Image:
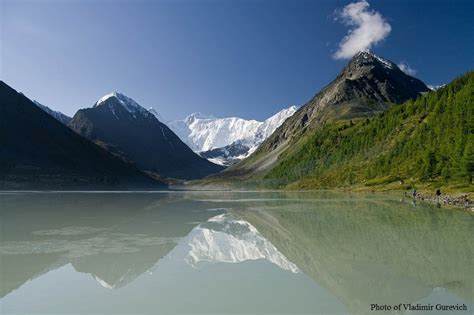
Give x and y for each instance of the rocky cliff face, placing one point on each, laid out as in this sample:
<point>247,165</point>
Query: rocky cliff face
<point>366,86</point>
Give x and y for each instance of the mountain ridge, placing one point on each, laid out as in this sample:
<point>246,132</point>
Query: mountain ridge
<point>367,85</point>
<point>128,130</point>
<point>38,152</point>
<point>216,138</point>
<point>427,142</point>
<point>56,114</point>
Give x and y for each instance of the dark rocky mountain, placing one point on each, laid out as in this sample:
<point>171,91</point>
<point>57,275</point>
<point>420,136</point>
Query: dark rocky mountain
<point>366,86</point>
<point>123,127</point>
<point>39,152</point>
<point>64,119</point>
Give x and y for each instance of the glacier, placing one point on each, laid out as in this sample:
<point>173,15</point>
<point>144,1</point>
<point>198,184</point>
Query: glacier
<point>226,140</point>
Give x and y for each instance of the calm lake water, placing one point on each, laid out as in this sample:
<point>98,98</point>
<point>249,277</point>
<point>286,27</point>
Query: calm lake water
<point>230,252</point>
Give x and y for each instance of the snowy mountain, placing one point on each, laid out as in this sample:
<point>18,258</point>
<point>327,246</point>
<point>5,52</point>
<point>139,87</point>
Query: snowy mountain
<point>128,130</point>
<point>58,115</point>
<point>110,100</point>
<point>42,153</point>
<point>226,140</point>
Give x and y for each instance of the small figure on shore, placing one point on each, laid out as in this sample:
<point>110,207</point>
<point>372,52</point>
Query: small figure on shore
<point>414,193</point>
<point>438,195</point>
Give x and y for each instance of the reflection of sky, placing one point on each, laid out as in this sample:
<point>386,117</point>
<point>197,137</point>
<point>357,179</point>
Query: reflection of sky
<point>246,287</point>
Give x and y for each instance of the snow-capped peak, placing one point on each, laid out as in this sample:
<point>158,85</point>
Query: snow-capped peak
<point>277,119</point>
<point>203,133</point>
<point>192,117</point>
<point>129,104</point>
<point>119,96</point>
<point>367,54</point>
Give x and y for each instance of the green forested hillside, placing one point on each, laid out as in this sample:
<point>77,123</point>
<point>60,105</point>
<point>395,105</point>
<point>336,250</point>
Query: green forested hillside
<point>425,142</point>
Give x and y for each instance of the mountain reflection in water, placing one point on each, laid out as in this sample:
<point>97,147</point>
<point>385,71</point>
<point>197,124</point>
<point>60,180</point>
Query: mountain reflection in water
<point>208,252</point>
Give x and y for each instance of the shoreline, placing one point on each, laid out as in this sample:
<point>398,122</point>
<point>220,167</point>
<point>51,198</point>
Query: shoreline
<point>459,201</point>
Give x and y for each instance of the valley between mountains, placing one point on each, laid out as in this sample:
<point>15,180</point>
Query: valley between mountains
<point>374,127</point>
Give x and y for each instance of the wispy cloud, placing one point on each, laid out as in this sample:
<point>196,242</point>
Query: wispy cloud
<point>366,28</point>
<point>405,67</point>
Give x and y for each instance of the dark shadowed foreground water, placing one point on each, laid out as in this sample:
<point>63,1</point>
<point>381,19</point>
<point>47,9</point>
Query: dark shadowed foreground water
<point>223,252</point>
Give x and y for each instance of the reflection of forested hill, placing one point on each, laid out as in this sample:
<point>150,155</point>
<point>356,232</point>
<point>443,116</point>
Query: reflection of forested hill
<point>114,237</point>
<point>372,251</point>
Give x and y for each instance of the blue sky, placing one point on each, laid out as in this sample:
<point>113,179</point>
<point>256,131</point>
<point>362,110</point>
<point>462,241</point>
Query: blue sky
<point>225,58</point>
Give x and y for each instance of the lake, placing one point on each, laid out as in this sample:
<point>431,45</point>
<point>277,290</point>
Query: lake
<point>231,252</point>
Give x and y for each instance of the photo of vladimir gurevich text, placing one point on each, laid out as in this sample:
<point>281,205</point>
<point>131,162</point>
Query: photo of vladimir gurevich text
<point>418,307</point>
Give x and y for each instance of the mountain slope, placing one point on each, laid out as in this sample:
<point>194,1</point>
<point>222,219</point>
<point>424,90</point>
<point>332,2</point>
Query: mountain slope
<point>128,130</point>
<point>226,139</point>
<point>366,86</point>
<point>64,119</point>
<point>428,141</point>
<point>39,152</point>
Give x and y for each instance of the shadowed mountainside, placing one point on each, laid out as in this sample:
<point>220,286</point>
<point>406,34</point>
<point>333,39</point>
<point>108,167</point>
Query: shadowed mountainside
<point>39,152</point>
<point>121,126</point>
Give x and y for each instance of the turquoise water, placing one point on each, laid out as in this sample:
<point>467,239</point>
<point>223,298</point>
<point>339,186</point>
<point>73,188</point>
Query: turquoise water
<point>230,252</point>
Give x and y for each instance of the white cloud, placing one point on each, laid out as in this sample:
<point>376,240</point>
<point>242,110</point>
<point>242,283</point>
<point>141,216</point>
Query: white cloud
<point>367,28</point>
<point>405,67</point>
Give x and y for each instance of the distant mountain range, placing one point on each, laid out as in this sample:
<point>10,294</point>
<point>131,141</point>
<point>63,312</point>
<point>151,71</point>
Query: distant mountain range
<point>222,141</point>
<point>313,146</point>
<point>39,152</point>
<point>128,130</point>
<point>226,140</point>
